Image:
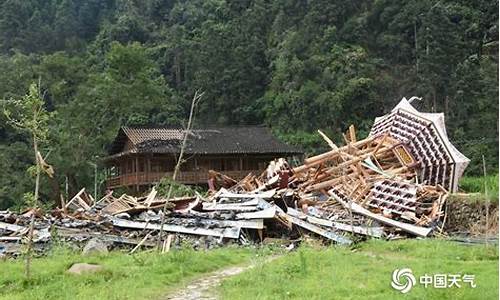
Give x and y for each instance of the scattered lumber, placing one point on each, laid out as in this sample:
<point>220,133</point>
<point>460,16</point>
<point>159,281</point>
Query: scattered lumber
<point>392,184</point>
<point>81,200</point>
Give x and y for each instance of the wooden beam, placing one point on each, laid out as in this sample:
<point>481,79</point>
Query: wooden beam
<point>416,230</point>
<point>150,197</point>
<point>137,173</point>
<point>148,168</point>
<point>352,134</point>
<point>328,140</point>
<point>318,159</point>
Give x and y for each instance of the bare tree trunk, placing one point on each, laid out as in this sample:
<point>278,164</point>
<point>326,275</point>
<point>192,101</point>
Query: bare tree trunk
<point>195,100</point>
<point>37,181</point>
<point>29,250</point>
<point>487,225</point>
<point>56,191</point>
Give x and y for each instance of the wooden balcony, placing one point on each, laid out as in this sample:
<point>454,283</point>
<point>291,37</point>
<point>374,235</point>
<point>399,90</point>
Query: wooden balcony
<point>186,177</point>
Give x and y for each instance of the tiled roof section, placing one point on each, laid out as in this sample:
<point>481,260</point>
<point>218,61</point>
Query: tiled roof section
<point>223,140</point>
<point>139,135</point>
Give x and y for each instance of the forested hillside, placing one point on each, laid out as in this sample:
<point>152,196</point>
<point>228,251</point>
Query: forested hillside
<point>297,66</point>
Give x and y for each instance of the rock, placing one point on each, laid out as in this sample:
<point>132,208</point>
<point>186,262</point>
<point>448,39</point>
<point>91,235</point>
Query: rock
<point>95,246</point>
<point>80,268</point>
<point>123,216</point>
<point>149,216</point>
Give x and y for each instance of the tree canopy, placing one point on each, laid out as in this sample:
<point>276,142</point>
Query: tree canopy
<point>296,66</point>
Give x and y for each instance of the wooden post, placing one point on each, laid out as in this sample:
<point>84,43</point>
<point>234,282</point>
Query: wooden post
<point>487,203</point>
<point>136,174</point>
<point>123,171</point>
<point>148,168</point>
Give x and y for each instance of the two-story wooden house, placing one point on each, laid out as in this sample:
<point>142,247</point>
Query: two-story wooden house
<point>140,157</point>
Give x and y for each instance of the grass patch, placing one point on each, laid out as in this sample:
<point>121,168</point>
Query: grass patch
<point>477,185</point>
<point>142,276</point>
<point>342,273</point>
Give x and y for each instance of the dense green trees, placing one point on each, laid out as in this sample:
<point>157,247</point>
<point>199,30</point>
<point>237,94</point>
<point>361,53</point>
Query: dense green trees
<point>295,65</point>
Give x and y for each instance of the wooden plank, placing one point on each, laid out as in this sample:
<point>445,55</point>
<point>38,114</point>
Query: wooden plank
<point>83,204</point>
<point>316,160</point>
<point>364,230</point>
<point>190,206</point>
<point>141,242</point>
<point>252,202</point>
<point>10,238</point>
<point>267,213</point>
<point>150,197</point>
<point>223,193</point>
<point>318,230</point>
<point>380,143</point>
<point>328,140</point>
<point>11,227</point>
<point>417,230</point>
<point>232,207</point>
<point>165,249</point>
<point>296,213</point>
<point>352,134</point>
<point>233,232</point>
<point>79,200</point>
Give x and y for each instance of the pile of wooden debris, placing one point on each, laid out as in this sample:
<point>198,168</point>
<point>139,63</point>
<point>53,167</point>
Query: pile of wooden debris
<point>392,184</point>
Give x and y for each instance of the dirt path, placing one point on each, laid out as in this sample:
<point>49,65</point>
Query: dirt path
<point>204,287</point>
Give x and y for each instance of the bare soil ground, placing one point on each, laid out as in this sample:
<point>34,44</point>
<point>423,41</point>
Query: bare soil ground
<point>204,287</point>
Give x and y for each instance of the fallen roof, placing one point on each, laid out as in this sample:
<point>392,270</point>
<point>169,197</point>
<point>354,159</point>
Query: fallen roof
<point>425,136</point>
<point>220,140</point>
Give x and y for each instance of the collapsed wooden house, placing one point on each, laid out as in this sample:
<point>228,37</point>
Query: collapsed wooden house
<point>140,157</point>
<point>392,184</point>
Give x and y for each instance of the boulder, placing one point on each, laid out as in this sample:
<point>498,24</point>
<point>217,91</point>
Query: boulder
<point>95,246</point>
<point>80,268</point>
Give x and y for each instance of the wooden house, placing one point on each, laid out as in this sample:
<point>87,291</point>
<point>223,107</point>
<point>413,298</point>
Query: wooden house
<point>140,157</point>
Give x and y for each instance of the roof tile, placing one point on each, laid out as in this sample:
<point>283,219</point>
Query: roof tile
<point>221,140</point>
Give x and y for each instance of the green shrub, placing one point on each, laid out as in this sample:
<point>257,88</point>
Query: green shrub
<point>178,189</point>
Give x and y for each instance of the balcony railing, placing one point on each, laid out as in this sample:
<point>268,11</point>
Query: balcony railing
<point>186,177</point>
